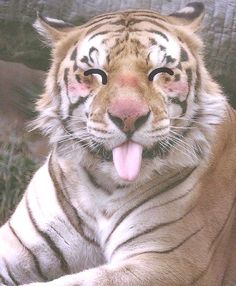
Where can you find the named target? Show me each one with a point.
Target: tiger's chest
(142, 219)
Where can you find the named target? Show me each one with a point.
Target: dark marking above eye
(169, 59)
(91, 50)
(85, 60)
(159, 70)
(162, 48)
(97, 71)
(152, 41)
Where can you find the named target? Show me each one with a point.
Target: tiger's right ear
(51, 29)
(190, 16)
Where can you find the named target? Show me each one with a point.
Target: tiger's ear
(51, 29)
(191, 16)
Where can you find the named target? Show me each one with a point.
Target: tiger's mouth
(127, 157)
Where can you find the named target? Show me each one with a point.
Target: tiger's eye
(97, 71)
(159, 70)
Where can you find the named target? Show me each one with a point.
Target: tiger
(139, 188)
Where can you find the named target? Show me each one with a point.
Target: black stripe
(223, 226)
(171, 186)
(203, 273)
(94, 182)
(98, 19)
(34, 257)
(101, 18)
(54, 248)
(75, 105)
(179, 66)
(82, 222)
(91, 50)
(110, 14)
(183, 104)
(224, 275)
(120, 50)
(58, 233)
(108, 58)
(136, 21)
(75, 66)
(169, 59)
(69, 210)
(77, 77)
(162, 48)
(122, 186)
(155, 32)
(197, 83)
(2, 279)
(81, 100)
(177, 77)
(172, 248)
(175, 199)
(120, 22)
(85, 60)
(94, 28)
(9, 273)
(99, 33)
(66, 72)
(136, 42)
(91, 178)
(183, 55)
(152, 41)
(189, 76)
(151, 15)
(150, 230)
(74, 54)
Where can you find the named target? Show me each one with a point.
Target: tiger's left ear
(190, 16)
(52, 30)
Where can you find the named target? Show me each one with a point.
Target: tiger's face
(126, 86)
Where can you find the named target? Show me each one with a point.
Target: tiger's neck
(74, 173)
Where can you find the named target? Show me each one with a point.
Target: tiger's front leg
(141, 270)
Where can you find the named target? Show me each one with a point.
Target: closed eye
(159, 70)
(97, 71)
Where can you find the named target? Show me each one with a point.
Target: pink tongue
(127, 159)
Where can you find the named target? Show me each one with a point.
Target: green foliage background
(16, 168)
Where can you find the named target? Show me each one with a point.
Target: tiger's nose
(128, 114)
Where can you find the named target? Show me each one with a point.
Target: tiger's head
(128, 91)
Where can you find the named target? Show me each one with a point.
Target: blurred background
(24, 61)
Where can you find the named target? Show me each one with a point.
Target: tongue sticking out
(127, 159)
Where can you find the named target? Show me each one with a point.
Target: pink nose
(128, 113)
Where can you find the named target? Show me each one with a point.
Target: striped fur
(79, 222)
